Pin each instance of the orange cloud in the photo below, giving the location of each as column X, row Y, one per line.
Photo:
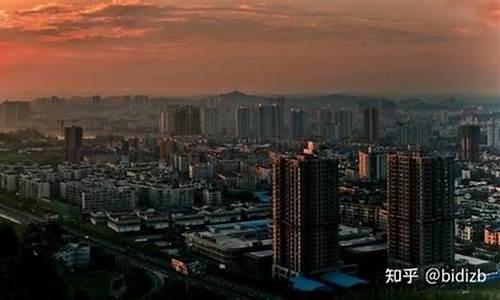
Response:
column 239, row 22
column 48, row 8
column 492, row 14
column 486, row 11
column 3, row 18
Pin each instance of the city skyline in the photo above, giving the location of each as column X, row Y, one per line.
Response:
column 205, row 47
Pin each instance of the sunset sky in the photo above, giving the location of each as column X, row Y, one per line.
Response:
column 269, row 46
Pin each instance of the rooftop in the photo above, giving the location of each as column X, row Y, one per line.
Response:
column 369, row 248
column 343, row 280
column 241, row 225
column 471, row 260
column 263, row 253
column 494, row 227
column 305, row 284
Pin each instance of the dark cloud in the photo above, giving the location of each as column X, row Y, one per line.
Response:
column 44, row 9
column 135, row 10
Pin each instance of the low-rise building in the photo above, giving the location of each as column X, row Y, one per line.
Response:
column 152, row 219
column 258, row 211
column 186, row 266
column 98, row 218
column 74, row 256
column 188, row 220
column 259, row 263
column 469, row 231
column 222, row 216
column 492, row 235
column 227, row 243
column 124, row 222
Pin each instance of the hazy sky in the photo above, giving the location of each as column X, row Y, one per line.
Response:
column 195, row 47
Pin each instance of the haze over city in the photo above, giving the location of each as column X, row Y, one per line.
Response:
column 235, row 150
column 176, row 47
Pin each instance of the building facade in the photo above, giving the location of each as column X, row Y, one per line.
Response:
column 305, row 215
column 420, row 204
column 181, row 120
column 73, row 139
column 15, row 113
column 298, row 123
column 343, row 120
column 371, row 125
column 469, row 136
column 243, row 122
column 493, row 134
column 372, row 165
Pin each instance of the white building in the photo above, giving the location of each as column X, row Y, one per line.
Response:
column 124, row 222
column 170, row 197
column 107, row 197
column 212, row 197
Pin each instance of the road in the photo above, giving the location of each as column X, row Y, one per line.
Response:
column 17, row 216
column 162, row 268
column 159, row 269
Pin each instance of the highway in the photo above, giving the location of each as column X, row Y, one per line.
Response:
column 17, row 216
column 158, row 269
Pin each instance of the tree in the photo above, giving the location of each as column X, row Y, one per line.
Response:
column 9, row 241
column 26, row 268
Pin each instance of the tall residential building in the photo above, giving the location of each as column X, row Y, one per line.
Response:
column 298, row 123
column 372, row 164
column 16, row 113
column 469, row 136
column 181, row 120
column 140, row 100
column 411, row 133
column 51, row 105
column 243, row 122
column 325, row 123
column 167, row 147
column 209, row 120
column 420, row 210
column 493, row 134
column 270, row 121
column 371, row 125
column 162, row 123
column 305, row 214
column 343, row 120
column 73, row 139
column 96, row 100
column 279, row 111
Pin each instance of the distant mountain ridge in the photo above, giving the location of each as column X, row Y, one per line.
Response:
column 333, row 100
